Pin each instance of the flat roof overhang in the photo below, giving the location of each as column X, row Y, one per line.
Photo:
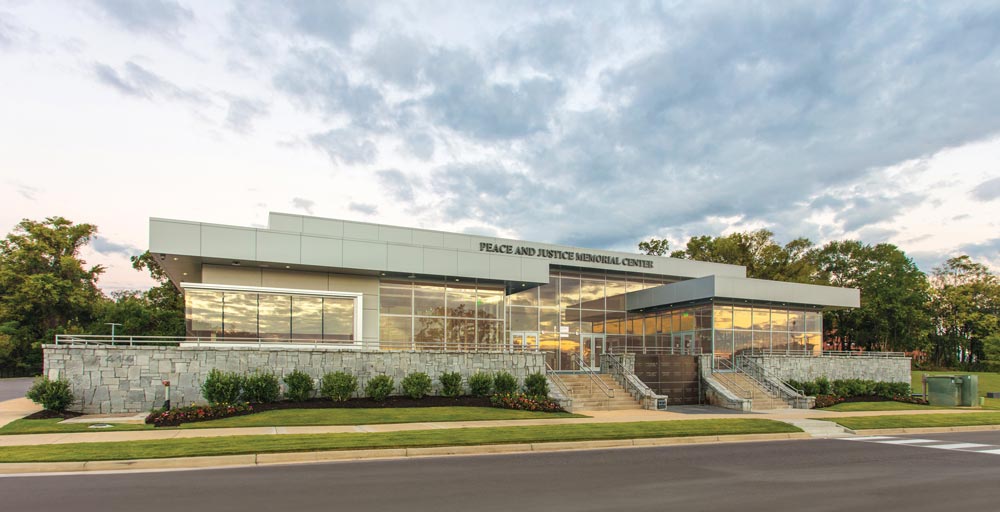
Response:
column 713, row 288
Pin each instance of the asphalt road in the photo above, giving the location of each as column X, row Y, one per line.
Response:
column 814, row 475
column 14, row 388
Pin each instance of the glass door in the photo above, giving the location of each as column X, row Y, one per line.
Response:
column 523, row 341
column 591, row 348
column 682, row 343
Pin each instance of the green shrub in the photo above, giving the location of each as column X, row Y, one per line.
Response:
column 222, row 387
column 481, row 384
column 54, row 395
column 536, row 385
column 300, row 386
column 504, row 383
column 379, row 387
column 261, row 388
column 338, row 386
column 823, row 386
column 451, row 383
column 416, row 385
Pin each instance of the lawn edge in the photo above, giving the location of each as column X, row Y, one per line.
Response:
column 262, row 459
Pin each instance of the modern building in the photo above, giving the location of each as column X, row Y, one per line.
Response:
column 312, row 284
column 368, row 286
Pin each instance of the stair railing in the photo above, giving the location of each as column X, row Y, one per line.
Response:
column 768, row 379
column 557, row 380
column 724, row 372
column 594, row 379
column 629, row 380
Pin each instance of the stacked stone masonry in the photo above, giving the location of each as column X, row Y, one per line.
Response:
column 807, row 368
column 129, row 379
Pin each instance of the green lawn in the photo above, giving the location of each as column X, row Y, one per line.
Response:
column 878, row 406
column 919, row 420
column 307, row 417
column 234, row 445
column 987, row 381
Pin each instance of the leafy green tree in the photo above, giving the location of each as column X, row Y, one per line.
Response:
column 965, row 302
column 894, row 295
column 762, row 256
column 158, row 311
column 45, row 288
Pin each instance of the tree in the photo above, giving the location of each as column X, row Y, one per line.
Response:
column 894, row 295
column 757, row 250
column 45, row 288
column 158, row 311
column 965, row 303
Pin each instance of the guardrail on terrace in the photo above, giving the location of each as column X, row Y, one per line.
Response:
column 836, row 353
column 318, row 344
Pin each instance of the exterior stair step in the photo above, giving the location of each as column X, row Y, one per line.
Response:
column 588, row 395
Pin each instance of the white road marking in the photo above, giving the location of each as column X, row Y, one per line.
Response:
column 929, row 443
column 909, row 441
column 957, row 446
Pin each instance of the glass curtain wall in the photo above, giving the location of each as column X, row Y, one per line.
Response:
column 219, row 314
column 436, row 316
column 745, row 328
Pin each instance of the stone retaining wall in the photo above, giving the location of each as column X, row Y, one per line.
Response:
column 807, row 368
column 115, row 379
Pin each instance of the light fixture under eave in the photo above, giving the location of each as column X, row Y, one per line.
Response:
column 411, row 276
column 288, row 266
column 236, row 263
column 176, row 258
column 185, row 273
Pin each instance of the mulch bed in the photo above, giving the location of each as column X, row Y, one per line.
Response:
column 46, row 414
column 388, row 403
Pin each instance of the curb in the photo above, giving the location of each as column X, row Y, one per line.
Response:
column 262, row 459
column 923, row 430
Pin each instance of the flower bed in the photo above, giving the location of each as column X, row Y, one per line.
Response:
column 523, row 402
column 193, row 413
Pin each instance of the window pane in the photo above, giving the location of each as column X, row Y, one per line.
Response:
column 548, row 295
column 591, row 294
column 703, row 317
column 592, row 321
column 742, row 341
column 664, row 323
column 461, row 334
column 779, row 342
column 524, row 298
column 240, row 314
column 724, row 317
column 615, row 290
column 428, row 300
column 338, row 319
column 796, row 321
column 549, row 319
column 396, row 332
column 307, row 318
column 779, row 320
column 615, row 323
column 814, row 321
column 523, row 319
column 461, row 302
column 761, row 319
column 429, row 333
column 396, row 298
column 742, row 318
column 723, row 343
column 488, row 335
column 275, row 316
column 762, row 340
column 204, row 312
column 683, row 321
column 569, row 292
column 814, row 343
column 490, row 303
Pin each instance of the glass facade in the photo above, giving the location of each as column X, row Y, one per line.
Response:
column 221, row 314
column 438, row 316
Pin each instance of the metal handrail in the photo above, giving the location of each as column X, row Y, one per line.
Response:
column 836, row 353
column 554, row 377
column 630, row 378
column 196, row 341
column 586, row 369
column 767, row 378
column 725, row 376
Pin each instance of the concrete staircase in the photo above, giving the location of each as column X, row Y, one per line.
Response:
column 745, row 387
column 589, row 396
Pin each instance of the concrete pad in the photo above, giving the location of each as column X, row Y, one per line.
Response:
column 222, row 432
column 468, row 450
column 173, row 463
column 12, row 410
column 331, row 429
column 133, row 419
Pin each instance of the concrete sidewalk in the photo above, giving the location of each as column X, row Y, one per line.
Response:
column 676, row 413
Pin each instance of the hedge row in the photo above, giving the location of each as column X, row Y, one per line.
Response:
column 848, row 388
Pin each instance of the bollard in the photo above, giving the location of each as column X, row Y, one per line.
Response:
column 166, row 403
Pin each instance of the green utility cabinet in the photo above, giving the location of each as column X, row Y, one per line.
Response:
column 953, row 390
column 970, row 390
column 944, row 390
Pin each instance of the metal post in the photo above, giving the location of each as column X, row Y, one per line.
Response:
column 112, row 324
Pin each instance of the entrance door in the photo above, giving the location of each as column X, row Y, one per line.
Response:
column 682, row 343
column 523, row 341
column 591, row 348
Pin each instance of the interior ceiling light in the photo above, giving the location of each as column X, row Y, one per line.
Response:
column 288, row 266
column 176, row 258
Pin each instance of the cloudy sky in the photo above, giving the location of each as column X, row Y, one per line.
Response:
column 593, row 124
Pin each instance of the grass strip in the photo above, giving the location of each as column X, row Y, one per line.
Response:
column 304, row 417
column 919, row 420
column 879, row 406
column 236, row 445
